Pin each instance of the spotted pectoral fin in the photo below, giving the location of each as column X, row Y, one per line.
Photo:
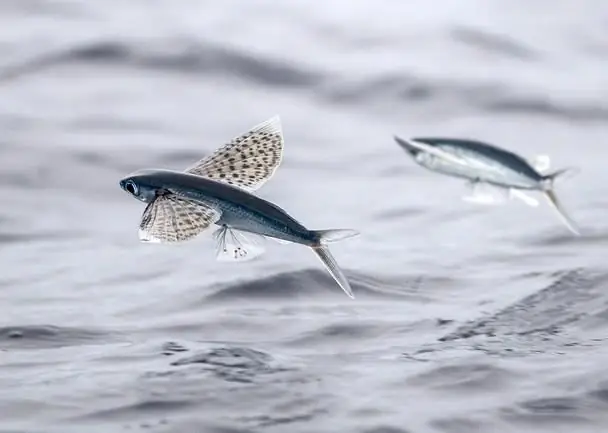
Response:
column 237, row 246
column 249, row 160
column 173, row 219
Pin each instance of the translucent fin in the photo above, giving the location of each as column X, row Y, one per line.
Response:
column 331, row 265
column 553, row 200
column 173, row 219
column 483, row 199
column 562, row 173
column 237, row 246
column 541, row 163
column 335, row 235
column 249, row 160
column 482, row 193
column 520, row 195
column 322, row 251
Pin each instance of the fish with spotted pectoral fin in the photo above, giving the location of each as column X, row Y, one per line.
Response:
column 219, row 190
column 494, row 175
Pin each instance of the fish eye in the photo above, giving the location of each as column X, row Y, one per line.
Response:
column 131, row 187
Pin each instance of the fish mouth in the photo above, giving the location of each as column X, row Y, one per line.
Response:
column 123, row 186
column 405, row 145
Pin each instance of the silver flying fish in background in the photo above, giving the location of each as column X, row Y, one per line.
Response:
column 493, row 174
column 219, row 190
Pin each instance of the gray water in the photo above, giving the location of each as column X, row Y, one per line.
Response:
column 466, row 318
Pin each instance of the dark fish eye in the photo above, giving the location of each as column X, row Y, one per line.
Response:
column 131, row 187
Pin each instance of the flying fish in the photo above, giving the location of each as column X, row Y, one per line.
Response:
column 218, row 191
column 494, row 175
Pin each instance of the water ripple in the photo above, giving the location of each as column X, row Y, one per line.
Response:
column 493, row 43
column 465, row 376
column 233, row 364
column 191, row 58
column 47, row 336
column 565, row 301
column 307, row 282
column 196, row 58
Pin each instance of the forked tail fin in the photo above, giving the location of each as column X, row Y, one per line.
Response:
column 562, row 173
column 322, row 251
column 554, row 201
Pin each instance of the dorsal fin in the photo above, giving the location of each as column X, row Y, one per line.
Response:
column 541, row 163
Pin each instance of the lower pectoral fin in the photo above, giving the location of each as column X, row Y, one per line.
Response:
column 237, row 246
column 174, row 219
column 482, row 193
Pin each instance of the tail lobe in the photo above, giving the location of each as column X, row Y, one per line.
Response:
column 554, row 201
column 334, row 235
column 328, row 260
column 562, row 173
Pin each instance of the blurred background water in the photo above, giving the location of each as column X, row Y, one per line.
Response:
column 467, row 318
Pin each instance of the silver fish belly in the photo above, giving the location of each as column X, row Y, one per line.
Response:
column 482, row 170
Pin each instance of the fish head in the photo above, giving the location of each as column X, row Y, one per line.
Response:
column 143, row 185
column 409, row 147
column 425, row 154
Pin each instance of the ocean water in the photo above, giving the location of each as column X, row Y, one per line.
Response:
column 466, row 318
